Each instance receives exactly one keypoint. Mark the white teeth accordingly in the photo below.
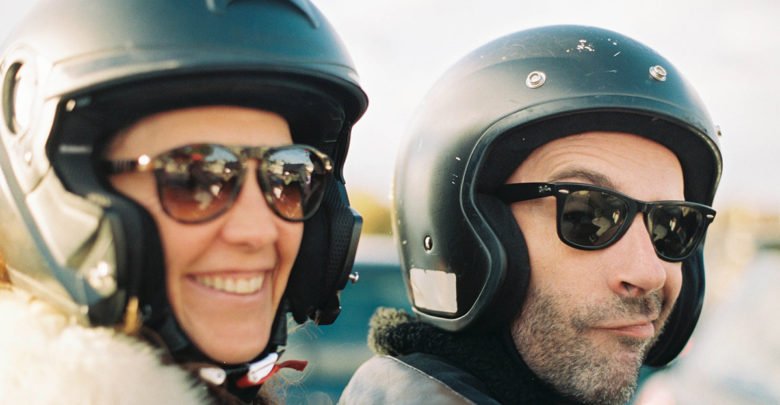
(233, 285)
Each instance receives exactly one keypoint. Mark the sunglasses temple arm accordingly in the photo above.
(510, 193)
(120, 166)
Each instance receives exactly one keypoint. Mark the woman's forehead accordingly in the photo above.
(211, 124)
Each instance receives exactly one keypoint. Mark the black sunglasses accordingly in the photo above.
(591, 217)
(197, 183)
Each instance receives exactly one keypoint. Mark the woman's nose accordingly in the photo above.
(250, 221)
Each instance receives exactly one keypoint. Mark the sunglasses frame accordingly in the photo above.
(156, 164)
(516, 192)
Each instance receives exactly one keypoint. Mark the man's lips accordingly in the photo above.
(638, 330)
(241, 283)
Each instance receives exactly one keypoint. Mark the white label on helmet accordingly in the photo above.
(434, 290)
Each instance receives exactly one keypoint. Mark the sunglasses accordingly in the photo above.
(199, 182)
(591, 217)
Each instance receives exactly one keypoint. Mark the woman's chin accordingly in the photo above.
(234, 351)
(230, 341)
(228, 328)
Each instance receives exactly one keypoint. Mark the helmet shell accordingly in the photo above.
(464, 258)
(73, 74)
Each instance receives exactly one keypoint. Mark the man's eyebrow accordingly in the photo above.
(595, 178)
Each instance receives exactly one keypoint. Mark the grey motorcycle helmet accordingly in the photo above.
(73, 74)
(464, 258)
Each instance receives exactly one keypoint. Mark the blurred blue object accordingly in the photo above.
(335, 351)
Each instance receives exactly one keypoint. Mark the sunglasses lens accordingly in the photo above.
(294, 181)
(675, 229)
(198, 182)
(591, 219)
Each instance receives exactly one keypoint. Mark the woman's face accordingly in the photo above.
(225, 277)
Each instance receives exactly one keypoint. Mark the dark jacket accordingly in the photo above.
(419, 363)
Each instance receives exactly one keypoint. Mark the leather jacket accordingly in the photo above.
(419, 363)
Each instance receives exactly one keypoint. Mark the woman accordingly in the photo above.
(171, 170)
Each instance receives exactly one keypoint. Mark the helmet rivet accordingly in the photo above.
(428, 243)
(658, 72)
(70, 105)
(101, 278)
(718, 131)
(535, 79)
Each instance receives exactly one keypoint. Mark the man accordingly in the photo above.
(550, 207)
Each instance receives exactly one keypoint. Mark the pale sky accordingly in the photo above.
(728, 50)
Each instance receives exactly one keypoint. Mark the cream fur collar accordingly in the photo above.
(45, 359)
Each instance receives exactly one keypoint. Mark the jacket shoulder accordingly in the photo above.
(387, 379)
(49, 359)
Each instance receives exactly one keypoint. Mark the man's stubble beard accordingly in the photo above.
(556, 349)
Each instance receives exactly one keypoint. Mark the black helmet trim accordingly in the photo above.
(327, 263)
(328, 78)
(506, 143)
(313, 109)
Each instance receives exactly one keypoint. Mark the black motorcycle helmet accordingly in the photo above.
(464, 259)
(75, 73)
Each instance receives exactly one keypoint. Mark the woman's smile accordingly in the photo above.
(242, 283)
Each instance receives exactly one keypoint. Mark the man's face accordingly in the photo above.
(590, 316)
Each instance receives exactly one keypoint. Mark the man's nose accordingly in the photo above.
(640, 271)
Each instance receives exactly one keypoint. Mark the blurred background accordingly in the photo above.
(728, 50)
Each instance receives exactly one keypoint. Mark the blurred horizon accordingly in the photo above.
(400, 47)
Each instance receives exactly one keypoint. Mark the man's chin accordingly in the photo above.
(607, 374)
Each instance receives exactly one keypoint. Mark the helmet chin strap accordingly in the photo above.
(242, 380)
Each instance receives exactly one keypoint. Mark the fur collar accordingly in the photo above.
(490, 357)
(47, 359)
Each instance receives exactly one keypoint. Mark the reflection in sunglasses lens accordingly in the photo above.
(290, 177)
(200, 182)
(673, 229)
(591, 218)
